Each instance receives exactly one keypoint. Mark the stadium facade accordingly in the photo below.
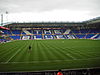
(54, 30)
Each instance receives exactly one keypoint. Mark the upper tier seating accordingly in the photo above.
(84, 30)
(6, 31)
(16, 31)
(94, 31)
(75, 31)
(15, 37)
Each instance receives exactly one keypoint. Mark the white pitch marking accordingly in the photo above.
(47, 61)
(12, 56)
(71, 56)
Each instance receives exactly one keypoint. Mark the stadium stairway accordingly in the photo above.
(27, 32)
(25, 37)
(70, 37)
(94, 36)
(34, 37)
(57, 32)
(89, 36)
(98, 37)
(67, 31)
(60, 37)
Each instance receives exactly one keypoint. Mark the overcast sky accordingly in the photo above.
(49, 10)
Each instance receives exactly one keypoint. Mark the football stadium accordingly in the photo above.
(42, 48)
(49, 37)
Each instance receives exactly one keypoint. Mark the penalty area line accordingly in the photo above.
(44, 61)
(12, 56)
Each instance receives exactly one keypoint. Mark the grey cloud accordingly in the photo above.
(13, 6)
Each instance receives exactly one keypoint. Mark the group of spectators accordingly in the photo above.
(3, 40)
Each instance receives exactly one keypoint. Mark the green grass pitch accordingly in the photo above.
(49, 55)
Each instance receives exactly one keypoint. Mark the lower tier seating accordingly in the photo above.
(53, 34)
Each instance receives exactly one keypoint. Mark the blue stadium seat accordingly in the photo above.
(6, 31)
(16, 31)
(15, 37)
(48, 36)
(80, 36)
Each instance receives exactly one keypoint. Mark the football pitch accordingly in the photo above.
(49, 55)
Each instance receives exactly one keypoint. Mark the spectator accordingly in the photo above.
(59, 73)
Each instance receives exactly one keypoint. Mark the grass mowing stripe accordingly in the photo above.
(62, 53)
(5, 49)
(51, 54)
(8, 47)
(48, 52)
(18, 56)
(26, 51)
(42, 52)
(78, 55)
(29, 57)
(66, 52)
(22, 55)
(93, 51)
(45, 50)
(8, 54)
(55, 51)
(83, 54)
(38, 51)
(31, 54)
(12, 56)
(70, 53)
(34, 55)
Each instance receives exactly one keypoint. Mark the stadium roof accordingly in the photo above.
(44, 24)
(3, 28)
(94, 20)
